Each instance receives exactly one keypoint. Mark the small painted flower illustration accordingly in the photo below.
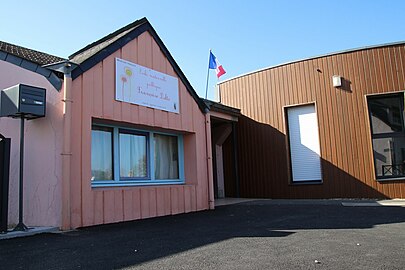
(124, 80)
(128, 72)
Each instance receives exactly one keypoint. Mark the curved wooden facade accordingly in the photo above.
(344, 127)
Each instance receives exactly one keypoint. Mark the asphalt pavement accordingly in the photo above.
(263, 234)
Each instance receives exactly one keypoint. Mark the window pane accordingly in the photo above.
(166, 157)
(389, 156)
(101, 154)
(386, 114)
(133, 158)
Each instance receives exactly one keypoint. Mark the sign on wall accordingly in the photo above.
(146, 87)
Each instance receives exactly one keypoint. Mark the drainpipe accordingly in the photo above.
(211, 200)
(66, 67)
(66, 153)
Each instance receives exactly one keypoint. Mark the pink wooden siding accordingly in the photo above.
(93, 97)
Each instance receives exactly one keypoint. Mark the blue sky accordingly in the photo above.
(244, 35)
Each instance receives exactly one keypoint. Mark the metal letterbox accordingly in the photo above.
(23, 101)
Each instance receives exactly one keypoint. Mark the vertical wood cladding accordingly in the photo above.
(93, 97)
(344, 129)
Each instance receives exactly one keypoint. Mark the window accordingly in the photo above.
(133, 155)
(386, 114)
(101, 153)
(166, 157)
(141, 157)
(304, 144)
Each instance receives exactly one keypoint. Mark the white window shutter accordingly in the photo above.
(304, 143)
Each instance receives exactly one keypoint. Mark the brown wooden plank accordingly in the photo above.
(352, 113)
(401, 65)
(345, 136)
(299, 96)
(327, 91)
(320, 109)
(357, 87)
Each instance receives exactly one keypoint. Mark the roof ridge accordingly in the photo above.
(109, 36)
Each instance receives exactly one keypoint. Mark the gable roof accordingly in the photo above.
(95, 52)
(31, 60)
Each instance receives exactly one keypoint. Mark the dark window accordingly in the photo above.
(388, 134)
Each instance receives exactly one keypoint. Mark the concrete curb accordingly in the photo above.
(31, 231)
(344, 202)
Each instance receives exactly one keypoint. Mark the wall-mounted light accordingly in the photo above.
(337, 81)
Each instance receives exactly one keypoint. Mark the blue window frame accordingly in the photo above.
(102, 153)
(131, 157)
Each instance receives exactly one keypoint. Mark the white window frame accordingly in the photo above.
(150, 179)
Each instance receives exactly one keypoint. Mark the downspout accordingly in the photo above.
(66, 153)
(211, 200)
(66, 67)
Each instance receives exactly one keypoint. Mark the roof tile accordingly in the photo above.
(37, 57)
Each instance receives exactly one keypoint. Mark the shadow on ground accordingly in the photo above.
(132, 243)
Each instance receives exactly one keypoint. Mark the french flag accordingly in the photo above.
(214, 64)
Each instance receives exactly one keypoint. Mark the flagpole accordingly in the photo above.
(208, 75)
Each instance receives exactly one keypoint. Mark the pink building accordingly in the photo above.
(125, 135)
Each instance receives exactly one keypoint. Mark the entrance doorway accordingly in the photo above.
(224, 150)
(221, 132)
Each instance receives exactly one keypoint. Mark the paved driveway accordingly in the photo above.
(251, 235)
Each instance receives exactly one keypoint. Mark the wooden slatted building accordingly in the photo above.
(353, 136)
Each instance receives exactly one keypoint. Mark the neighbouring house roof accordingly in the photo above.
(34, 56)
(31, 60)
(95, 52)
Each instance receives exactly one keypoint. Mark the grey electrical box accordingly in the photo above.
(23, 101)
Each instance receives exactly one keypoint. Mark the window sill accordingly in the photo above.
(304, 183)
(391, 179)
(135, 184)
